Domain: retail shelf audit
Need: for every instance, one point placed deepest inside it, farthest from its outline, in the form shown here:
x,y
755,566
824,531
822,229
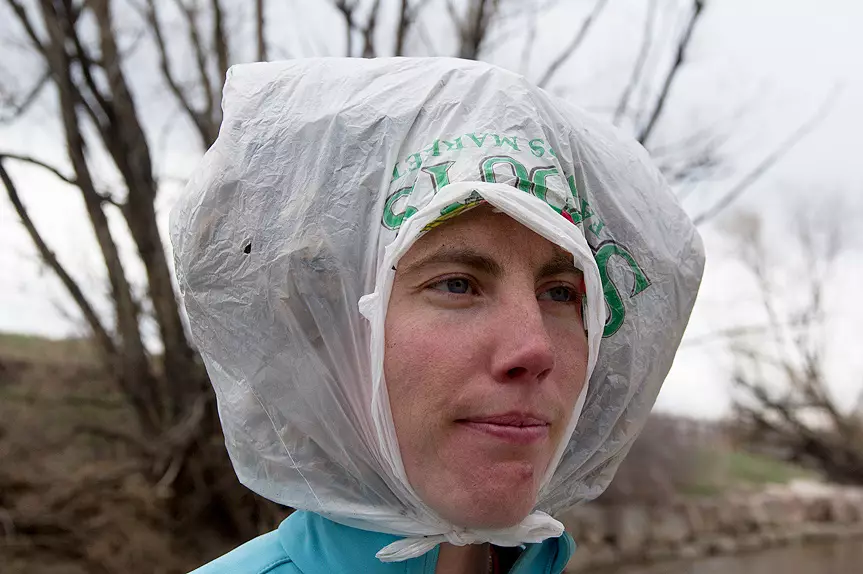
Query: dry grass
x,y
72,502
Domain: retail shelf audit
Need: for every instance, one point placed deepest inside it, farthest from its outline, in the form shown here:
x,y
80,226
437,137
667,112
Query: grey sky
x,y
776,60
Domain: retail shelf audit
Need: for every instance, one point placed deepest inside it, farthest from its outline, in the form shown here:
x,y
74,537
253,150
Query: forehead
x,y
493,233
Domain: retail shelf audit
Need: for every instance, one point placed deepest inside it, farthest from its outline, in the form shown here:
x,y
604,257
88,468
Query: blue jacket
x,y
307,543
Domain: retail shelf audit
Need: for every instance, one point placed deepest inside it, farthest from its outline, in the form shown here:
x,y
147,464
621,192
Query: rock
x,y
856,503
754,516
587,524
689,552
732,517
794,512
818,509
723,545
841,510
588,556
630,527
698,525
670,526
751,542
660,553
708,520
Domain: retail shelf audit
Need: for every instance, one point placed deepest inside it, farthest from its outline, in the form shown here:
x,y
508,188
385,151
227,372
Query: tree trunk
x,y
126,141
132,367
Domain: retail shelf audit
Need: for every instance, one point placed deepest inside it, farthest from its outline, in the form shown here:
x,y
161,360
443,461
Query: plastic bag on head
x,y
324,173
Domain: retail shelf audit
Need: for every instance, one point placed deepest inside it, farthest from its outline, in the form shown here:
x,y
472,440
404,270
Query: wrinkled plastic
x,y
286,240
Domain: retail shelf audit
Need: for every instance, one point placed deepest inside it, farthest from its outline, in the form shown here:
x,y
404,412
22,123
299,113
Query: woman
x,y
428,295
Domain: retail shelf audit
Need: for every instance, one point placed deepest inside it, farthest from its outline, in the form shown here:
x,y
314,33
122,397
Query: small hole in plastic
x,y
247,249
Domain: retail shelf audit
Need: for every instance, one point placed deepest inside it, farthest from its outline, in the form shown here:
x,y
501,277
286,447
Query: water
x,y
842,557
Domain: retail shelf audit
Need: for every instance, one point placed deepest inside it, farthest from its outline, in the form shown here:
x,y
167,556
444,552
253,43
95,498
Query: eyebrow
x,y
462,255
561,262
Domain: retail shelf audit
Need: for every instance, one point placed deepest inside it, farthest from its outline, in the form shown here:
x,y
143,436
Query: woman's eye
x,y
560,294
454,285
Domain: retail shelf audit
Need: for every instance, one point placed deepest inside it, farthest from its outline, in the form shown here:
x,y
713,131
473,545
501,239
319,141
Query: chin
x,y
489,509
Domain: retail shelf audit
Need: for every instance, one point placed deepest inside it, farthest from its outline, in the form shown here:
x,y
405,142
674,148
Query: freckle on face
x,y
452,359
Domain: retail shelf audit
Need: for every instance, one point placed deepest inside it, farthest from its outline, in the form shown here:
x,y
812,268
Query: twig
x,y
638,68
426,38
85,62
24,19
786,146
99,331
18,109
201,123
453,14
40,163
672,73
191,16
70,180
527,49
573,45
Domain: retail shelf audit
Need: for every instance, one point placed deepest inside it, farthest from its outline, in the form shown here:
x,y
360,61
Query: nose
x,y
524,351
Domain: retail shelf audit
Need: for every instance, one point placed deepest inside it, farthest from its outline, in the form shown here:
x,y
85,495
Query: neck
x,y
470,559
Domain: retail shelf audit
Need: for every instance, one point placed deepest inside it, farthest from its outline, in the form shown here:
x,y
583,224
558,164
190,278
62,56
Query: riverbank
x,y
796,513
840,556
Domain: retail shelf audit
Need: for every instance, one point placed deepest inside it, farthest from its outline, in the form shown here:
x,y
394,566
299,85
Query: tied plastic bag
x,y
324,173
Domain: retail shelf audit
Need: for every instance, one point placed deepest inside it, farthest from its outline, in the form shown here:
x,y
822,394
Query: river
x,y
841,557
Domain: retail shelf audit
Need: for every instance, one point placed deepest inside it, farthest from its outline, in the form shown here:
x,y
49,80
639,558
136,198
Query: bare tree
x,y
784,401
84,69
169,393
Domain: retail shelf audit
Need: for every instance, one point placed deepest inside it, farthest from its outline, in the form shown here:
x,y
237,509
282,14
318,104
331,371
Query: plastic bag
x,y
324,173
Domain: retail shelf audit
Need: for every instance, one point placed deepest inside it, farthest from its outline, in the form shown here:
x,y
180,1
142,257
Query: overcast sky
x,y
776,61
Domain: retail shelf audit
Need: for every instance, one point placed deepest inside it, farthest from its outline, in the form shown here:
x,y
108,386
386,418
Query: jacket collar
x,y
317,545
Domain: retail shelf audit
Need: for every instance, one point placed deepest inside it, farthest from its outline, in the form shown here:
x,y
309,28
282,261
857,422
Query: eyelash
x,y
576,295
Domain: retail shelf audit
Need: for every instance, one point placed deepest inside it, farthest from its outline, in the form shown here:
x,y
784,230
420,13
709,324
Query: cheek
x,y
421,342
571,353
430,358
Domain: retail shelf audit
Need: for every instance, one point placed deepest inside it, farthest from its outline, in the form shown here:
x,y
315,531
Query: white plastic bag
x,y
324,173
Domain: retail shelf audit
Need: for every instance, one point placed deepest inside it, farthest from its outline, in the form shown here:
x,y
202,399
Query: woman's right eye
x,y
453,285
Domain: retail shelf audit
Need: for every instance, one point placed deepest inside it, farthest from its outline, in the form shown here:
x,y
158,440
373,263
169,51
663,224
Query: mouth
x,y
515,428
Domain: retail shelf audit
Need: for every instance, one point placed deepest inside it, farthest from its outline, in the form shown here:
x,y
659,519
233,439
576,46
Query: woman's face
x,y
486,354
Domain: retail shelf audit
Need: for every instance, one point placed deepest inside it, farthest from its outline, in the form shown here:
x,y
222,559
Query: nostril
x,y
516,372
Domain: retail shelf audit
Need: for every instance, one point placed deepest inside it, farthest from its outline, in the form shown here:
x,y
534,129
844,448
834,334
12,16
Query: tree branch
x,y
103,339
259,30
191,16
369,31
220,40
638,68
672,73
402,28
201,122
20,108
573,45
475,26
40,163
347,11
131,366
68,20
786,146
529,41
453,14
24,19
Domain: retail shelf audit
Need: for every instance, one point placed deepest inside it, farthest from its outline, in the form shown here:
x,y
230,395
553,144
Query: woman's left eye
x,y
560,294
453,285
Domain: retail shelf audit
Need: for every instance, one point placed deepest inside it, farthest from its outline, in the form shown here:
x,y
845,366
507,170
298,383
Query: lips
x,y
515,427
